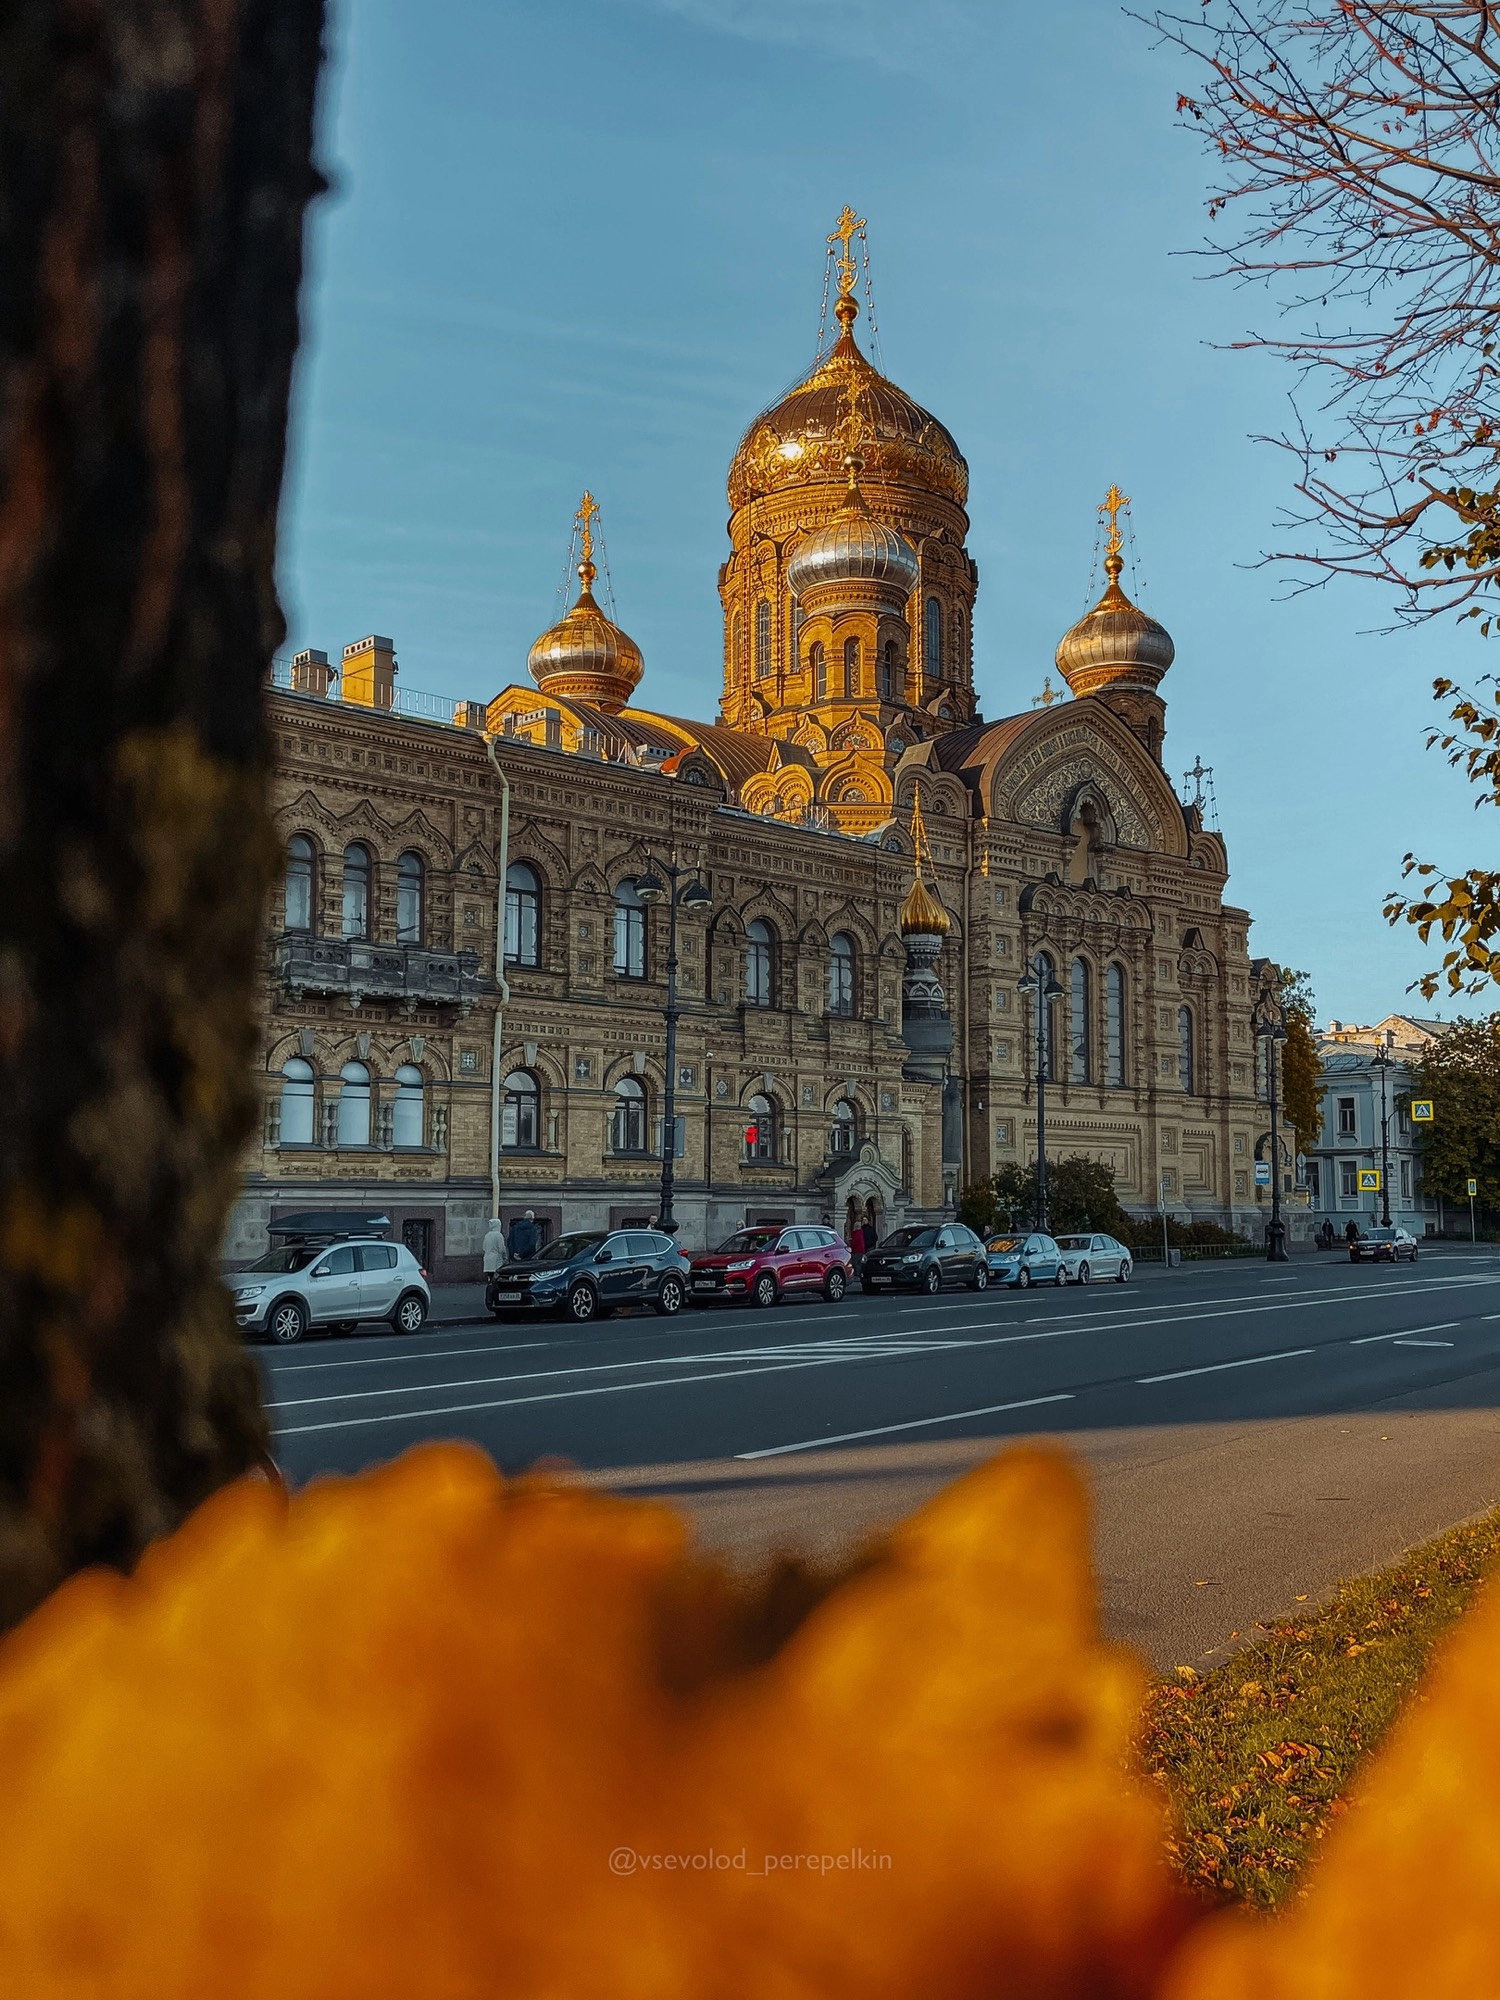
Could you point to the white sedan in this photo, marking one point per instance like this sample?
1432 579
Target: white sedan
1085 1258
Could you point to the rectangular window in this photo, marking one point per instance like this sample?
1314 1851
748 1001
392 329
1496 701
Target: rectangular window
1348 1123
1405 1180
1348 1180
1314 1183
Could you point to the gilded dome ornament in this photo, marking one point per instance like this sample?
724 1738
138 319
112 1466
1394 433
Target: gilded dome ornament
922 915
585 656
1116 644
854 545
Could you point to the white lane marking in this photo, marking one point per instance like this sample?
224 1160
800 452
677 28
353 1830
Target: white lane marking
1421 1343
514 1402
913 1424
1214 1367
405 1353
1404 1332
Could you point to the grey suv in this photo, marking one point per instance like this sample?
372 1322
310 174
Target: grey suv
298 1285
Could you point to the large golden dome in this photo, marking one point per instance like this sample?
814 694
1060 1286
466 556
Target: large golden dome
1114 645
800 441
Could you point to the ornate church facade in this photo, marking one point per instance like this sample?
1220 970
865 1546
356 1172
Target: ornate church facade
466 991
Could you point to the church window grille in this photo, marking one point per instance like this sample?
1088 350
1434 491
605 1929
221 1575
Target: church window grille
817 659
932 639
630 933
301 862
409 886
356 890
1080 1024
851 667
841 975
1186 1053
762 638
1114 1027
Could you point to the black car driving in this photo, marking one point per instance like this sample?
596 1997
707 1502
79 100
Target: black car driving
924 1260
590 1273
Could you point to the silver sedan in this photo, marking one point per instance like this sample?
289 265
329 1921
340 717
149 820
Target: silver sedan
1085 1258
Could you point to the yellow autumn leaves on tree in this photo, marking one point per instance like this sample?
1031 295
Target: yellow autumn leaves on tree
424 1735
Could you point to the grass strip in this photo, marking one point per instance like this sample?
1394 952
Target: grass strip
1256 1757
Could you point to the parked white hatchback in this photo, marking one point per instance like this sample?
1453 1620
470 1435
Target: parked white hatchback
299 1284
1085 1258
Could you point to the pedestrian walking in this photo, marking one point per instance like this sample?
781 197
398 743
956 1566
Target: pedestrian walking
857 1246
525 1238
1351 1231
494 1245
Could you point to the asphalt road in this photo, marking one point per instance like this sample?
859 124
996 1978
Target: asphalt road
1254 1432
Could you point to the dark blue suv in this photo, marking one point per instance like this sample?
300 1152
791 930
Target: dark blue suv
590 1273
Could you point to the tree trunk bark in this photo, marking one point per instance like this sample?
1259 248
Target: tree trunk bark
154 172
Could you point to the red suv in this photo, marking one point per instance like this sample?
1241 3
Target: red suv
764 1263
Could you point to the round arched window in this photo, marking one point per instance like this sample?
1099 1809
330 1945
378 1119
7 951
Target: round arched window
408 1118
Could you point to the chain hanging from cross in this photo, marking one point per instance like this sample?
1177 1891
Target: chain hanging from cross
1196 776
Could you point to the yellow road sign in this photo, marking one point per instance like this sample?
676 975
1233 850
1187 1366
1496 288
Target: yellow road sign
1369 1180
1473 1185
1421 1111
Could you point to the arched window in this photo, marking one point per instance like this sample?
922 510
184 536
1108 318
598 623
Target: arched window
762 638
1114 1027
817 660
1050 1025
409 1115
737 643
523 915
1185 1050
409 874
758 968
959 661
354 1105
630 933
520 1118
851 667
296 1103
841 974
844 1137
1080 1024
888 671
932 639
356 890
627 1131
301 860
760 1129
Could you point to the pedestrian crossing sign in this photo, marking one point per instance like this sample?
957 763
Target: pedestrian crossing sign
1421 1111
1473 1187
1369 1180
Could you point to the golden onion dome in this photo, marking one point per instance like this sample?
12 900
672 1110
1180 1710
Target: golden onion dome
585 656
854 546
799 441
922 913
1116 644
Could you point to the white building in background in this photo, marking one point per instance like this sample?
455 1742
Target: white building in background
1350 1139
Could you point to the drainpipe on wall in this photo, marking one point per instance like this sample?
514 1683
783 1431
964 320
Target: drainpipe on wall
500 980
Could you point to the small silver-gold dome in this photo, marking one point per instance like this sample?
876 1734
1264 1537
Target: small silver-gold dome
854 546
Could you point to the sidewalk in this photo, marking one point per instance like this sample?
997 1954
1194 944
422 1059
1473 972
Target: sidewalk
453 1304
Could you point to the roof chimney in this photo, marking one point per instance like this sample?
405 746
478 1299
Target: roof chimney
369 676
311 673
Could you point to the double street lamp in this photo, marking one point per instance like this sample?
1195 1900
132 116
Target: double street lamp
1040 981
1381 1063
1270 1028
681 890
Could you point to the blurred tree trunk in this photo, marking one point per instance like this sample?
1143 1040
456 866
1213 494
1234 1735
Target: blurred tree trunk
154 173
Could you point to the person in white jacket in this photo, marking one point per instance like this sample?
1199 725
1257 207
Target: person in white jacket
494 1245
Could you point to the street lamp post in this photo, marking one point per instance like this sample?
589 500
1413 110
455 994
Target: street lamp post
1381 1061
1039 981
1269 1028
681 890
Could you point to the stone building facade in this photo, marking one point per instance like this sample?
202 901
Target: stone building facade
466 998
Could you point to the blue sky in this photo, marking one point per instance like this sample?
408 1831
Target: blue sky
581 245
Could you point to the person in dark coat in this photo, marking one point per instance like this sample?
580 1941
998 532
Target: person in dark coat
1351 1231
525 1238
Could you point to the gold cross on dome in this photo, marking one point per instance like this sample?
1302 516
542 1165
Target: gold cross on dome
1114 501
848 225
588 513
